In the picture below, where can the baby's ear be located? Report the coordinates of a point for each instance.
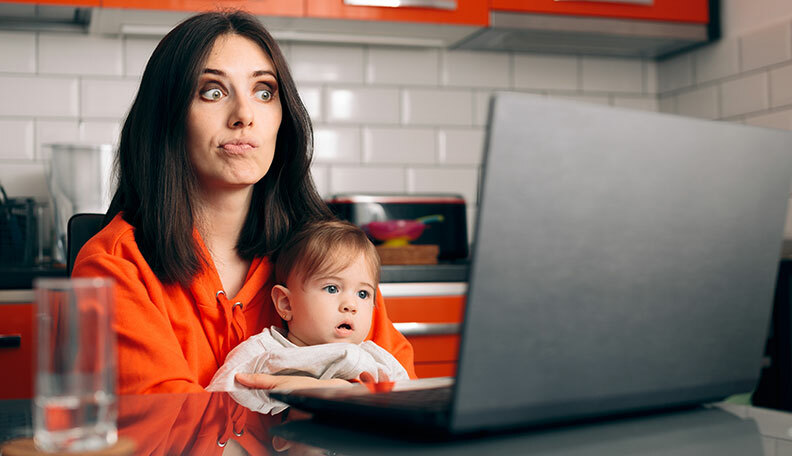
(280, 298)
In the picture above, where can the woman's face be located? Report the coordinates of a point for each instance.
(234, 117)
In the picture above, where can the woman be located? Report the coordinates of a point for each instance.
(213, 173)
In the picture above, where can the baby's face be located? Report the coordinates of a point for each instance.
(331, 308)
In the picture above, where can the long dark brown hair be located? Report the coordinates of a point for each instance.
(157, 184)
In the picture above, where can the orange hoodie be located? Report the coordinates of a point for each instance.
(173, 339)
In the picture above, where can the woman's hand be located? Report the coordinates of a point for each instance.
(286, 382)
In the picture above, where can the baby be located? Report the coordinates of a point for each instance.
(326, 279)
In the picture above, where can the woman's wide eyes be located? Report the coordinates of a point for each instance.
(212, 94)
(264, 95)
(332, 289)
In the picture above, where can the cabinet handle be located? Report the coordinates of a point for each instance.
(10, 340)
(434, 4)
(427, 329)
(636, 2)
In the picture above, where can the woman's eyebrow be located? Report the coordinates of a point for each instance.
(255, 74)
(262, 73)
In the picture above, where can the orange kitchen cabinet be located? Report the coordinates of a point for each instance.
(694, 11)
(435, 355)
(467, 12)
(16, 351)
(295, 8)
(59, 2)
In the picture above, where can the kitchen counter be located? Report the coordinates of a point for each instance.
(20, 278)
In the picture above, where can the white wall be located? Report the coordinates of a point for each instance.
(740, 16)
(387, 119)
(745, 77)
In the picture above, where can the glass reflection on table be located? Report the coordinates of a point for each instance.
(215, 423)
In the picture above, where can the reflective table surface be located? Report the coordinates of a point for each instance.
(214, 423)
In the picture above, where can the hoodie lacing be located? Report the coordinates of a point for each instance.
(235, 319)
(235, 424)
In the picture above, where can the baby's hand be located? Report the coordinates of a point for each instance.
(384, 384)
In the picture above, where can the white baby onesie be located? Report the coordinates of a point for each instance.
(270, 352)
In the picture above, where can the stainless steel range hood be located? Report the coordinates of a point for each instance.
(545, 33)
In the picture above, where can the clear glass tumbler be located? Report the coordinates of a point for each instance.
(75, 402)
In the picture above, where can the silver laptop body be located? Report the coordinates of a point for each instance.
(623, 261)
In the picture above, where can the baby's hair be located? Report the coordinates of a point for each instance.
(324, 247)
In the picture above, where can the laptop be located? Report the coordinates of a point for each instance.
(624, 262)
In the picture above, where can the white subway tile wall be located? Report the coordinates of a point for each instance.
(476, 69)
(437, 107)
(79, 54)
(17, 52)
(18, 138)
(362, 105)
(767, 46)
(460, 146)
(745, 95)
(699, 102)
(780, 87)
(312, 99)
(399, 146)
(325, 63)
(387, 119)
(403, 66)
(54, 131)
(612, 75)
(136, 54)
(334, 144)
(546, 72)
(748, 75)
(717, 61)
(367, 179)
(39, 96)
(106, 98)
(675, 72)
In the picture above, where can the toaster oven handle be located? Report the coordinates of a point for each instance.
(433, 4)
(427, 329)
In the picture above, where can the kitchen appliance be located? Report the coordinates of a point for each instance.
(18, 230)
(79, 180)
(412, 228)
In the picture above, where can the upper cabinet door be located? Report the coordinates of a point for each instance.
(262, 7)
(464, 12)
(58, 2)
(696, 11)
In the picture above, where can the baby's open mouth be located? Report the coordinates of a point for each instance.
(346, 326)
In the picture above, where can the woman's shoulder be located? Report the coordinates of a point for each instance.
(115, 243)
(116, 235)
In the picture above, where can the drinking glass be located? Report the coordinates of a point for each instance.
(75, 403)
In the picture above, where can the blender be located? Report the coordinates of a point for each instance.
(79, 177)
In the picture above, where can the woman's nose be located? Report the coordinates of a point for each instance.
(241, 114)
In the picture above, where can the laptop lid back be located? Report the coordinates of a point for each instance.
(623, 261)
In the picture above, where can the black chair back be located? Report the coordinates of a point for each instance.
(81, 227)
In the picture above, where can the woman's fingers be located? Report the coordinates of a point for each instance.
(262, 381)
(285, 382)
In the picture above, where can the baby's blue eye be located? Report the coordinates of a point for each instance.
(332, 289)
(264, 95)
(212, 94)
(363, 294)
